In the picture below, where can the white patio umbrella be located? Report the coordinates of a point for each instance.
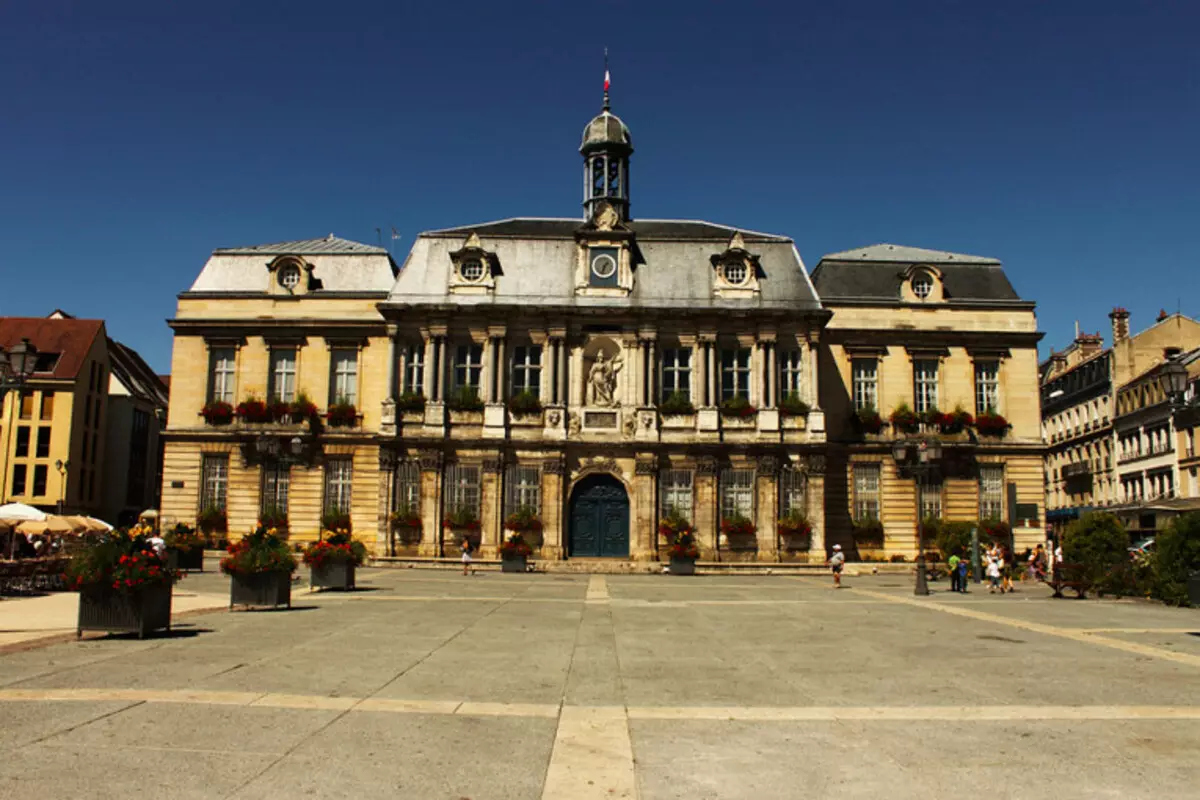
(19, 512)
(51, 524)
(98, 525)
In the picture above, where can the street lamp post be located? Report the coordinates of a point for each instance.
(928, 452)
(16, 367)
(62, 467)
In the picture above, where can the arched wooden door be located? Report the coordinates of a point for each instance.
(599, 519)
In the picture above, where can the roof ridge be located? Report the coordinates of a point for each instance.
(914, 253)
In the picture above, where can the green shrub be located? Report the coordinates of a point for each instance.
(676, 404)
(954, 539)
(1176, 556)
(1099, 543)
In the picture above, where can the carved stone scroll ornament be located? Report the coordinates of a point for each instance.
(387, 459)
(554, 466)
(600, 466)
(431, 460)
(767, 465)
(646, 466)
(816, 464)
(706, 466)
(492, 465)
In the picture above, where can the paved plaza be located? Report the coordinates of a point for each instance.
(426, 684)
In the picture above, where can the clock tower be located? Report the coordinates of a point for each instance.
(606, 148)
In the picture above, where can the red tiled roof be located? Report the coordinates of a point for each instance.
(70, 338)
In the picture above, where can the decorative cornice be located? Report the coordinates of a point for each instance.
(431, 460)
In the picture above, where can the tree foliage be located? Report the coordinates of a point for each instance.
(1176, 556)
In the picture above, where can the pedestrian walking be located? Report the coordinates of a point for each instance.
(962, 576)
(466, 554)
(993, 573)
(836, 562)
(952, 563)
(1039, 563)
(1006, 571)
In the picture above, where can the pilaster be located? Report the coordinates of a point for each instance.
(815, 506)
(644, 546)
(553, 503)
(767, 506)
(706, 523)
(491, 507)
(431, 503)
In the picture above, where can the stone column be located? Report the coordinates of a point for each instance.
(643, 544)
(384, 538)
(553, 505)
(814, 503)
(431, 503)
(639, 372)
(576, 394)
(393, 332)
(714, 381)
(501, 368)
(813, 372)
(491, 507)
(427, 379)
(706, 523)
(651, 372)
(700, 374)
(767, 507)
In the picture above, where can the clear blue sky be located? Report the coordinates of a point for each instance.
(1062, 138)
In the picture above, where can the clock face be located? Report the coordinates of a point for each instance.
(604, 266)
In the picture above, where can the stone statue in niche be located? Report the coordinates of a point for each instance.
(602, 380)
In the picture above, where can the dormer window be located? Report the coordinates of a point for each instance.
(289, 276)
(735, 272)
(472, 270)
(922, 285)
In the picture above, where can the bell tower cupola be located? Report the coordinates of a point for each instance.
(606, 148)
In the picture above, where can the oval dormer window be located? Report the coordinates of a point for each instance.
(289, 276)
(922, 285)
(472, 270)
(735, 273)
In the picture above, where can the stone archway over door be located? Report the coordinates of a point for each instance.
(599, 519)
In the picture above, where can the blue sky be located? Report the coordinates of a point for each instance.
(1059, 137)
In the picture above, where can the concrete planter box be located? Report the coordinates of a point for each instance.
(466, 417)
(513, 563)
(188, 560)
(683, 566)
(791, 422)
(678, 422)
(332, 575)
(270, 589)
(140, 612)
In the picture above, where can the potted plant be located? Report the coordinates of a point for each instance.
(342, 414)
(526, 522)
(465, 399)
(253, 410)
(868, 420)
(525, 404)
(797, 530)
(217, 412)
(989, 423)
(677, 404)
(462, 523)
(406, 523)
(260, 568)
(336, 520)
(995, 529)
(956, 421)
(123, 585)
(514, 553)
(933, 419)
(212, 520)
(303, 408)
(280, 411)
(274, 518)
(185, 548)
(683, 551)
(792, 406)
(868, 532)
(904, 419)
(411, 403)
(672, 525)
(736, 525)
(332, 560)
(738, 407)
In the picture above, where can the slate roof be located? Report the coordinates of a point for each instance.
(538, 260)
(875, 273)
(70, 338)
(135, 374)
(329, 245)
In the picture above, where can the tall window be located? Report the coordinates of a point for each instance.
(214, 481)
(343, 379)
(414, 369)
(931, 498)
(675, 493)
(735, 373)
(221, 374)
(865, 377)
(47, 406)
(737, 494)
(468, 366)
(43, 442)
(18, 479)
(991, 491)
(339, 474)
(987, 386)
(462, 490)
(522, 489)
(27, 405)
(407, 496)
(22, 450)
(791, 368)
(527, 369)
(283, 375)
(793, 492)
(925, 384)
(866, 491)
(676, 372)
(40, 472)
(276, 479)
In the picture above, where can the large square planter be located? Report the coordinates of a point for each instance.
(261, 589)
(140, 612)
(187, 560)
(332, 575)
(683, 566)
(513, 563)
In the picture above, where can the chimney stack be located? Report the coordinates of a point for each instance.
(1120, 324)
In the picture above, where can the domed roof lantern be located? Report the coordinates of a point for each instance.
(606, 148)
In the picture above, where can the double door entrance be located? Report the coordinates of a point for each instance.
(599, 519)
